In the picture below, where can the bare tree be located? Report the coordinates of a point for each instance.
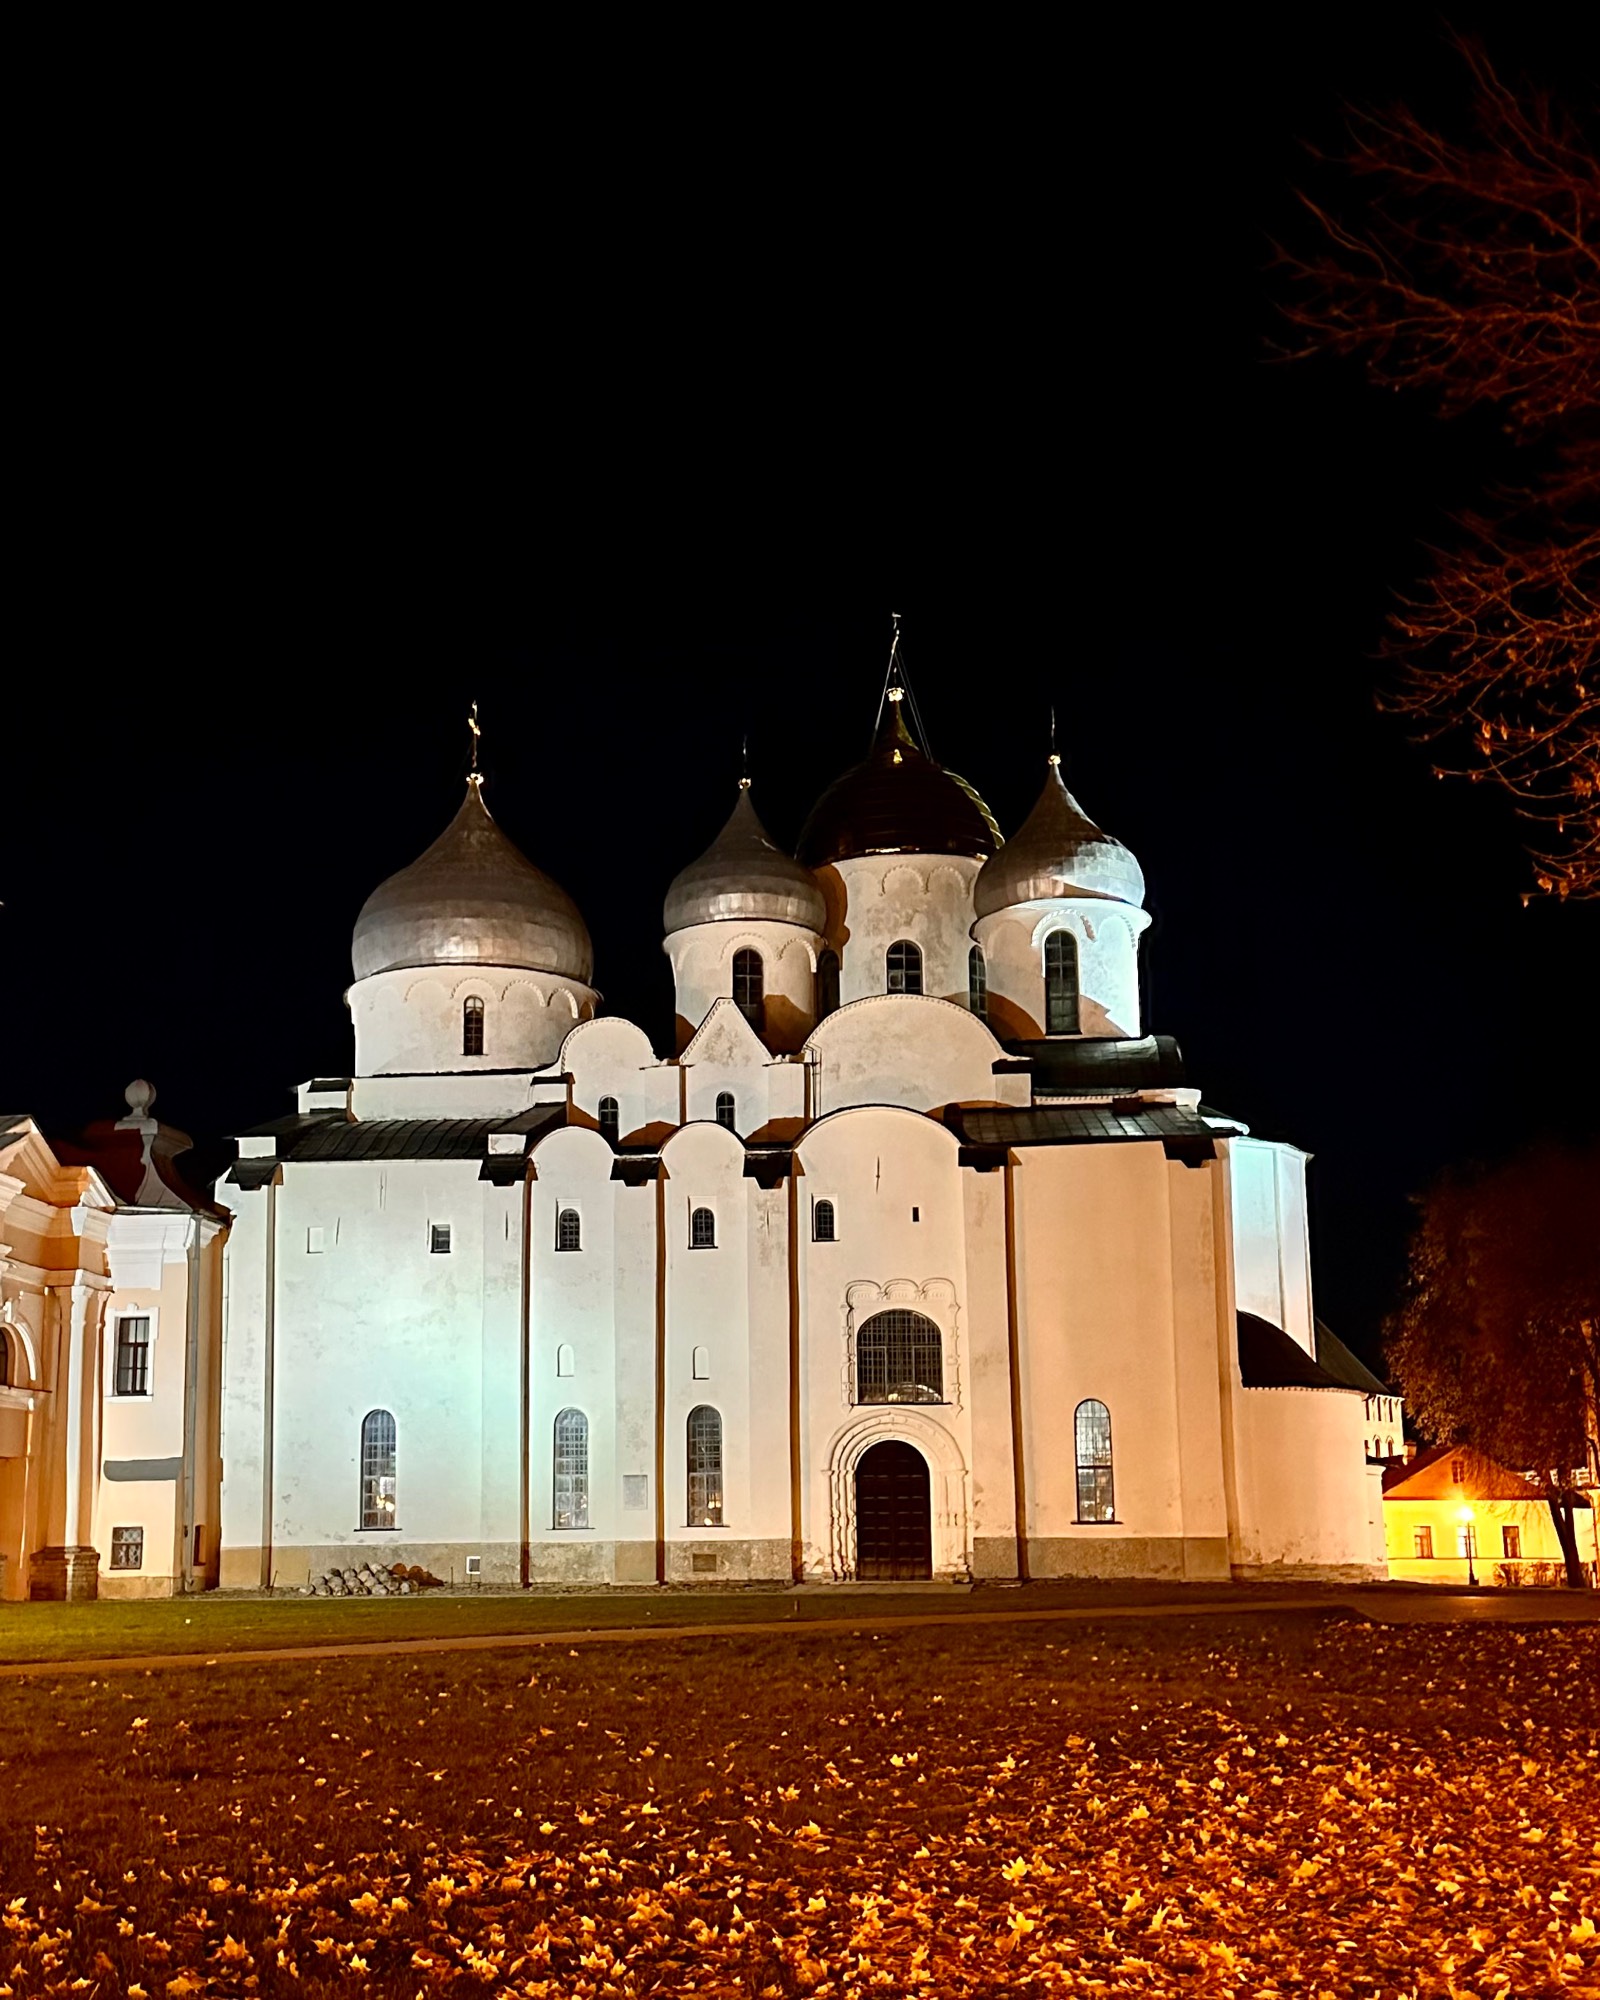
(1472, 270)
(1497, 1342)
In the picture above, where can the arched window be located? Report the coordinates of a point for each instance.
(566, 1359)
(827, 984)
(749, 988)
(1061, 983)
(1091, 1428)
(822, 1222)
(899, 1359)
(727, 1110)
(377, 1469)
(569, 1230)
(610, 1119)
(978, 983)
(904, 966)
(571, 1508)
(472, 1028)
(1389, 1452)
(705, 1468)
(702, 1230)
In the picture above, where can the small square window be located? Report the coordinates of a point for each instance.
(127, 1548)
(439, 1239)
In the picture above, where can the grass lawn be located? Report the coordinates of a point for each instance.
(1303, 1805)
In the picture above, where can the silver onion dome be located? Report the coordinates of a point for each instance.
(472, 899)
(744, 874)
(1057, 851)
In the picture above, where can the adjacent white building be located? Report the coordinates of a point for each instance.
(917, 1255)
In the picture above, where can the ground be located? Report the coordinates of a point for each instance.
(1301, 1803)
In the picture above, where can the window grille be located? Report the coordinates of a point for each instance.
(727, 1109)
(1092, 1432)
(472, 1028)
(822, 1223)
(749, 988)
(572, 1470)
(1422, 1542)
(377, 1470)
(1061, 983)
(899, 1359)
(133, 1355)
(610, 1119)
(904, 966)
(702, 1230)
(827, 984)
(978, 983)
(439, 1239)
(127, 1548)
(1511, 1543)
(569, 1230)
(705, 1468)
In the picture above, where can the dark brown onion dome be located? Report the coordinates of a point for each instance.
(1057, 851)
(897, 802)
(472, 899)
(744, 874)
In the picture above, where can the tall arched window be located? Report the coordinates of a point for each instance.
(978, 983)
(571, 1508)
(377, 1470)
(472, 1028)
(827, 984)
(899, 1359)
(569, 1230)
(1091, 1429)
(1061, 983)
(904, 966)
(822, 1222)
(705, 1468)
(610, 1119)
(727, 1109)
(749, 988)
(702, 1230)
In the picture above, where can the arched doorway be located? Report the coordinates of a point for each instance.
(894, 1523)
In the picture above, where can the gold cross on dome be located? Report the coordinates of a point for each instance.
(472, 725)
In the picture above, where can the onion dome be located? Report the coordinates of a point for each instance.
(472, 899)
(898, 802)
(1057, 851)
(744, 874)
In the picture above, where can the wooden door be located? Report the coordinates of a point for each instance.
(894, 1524)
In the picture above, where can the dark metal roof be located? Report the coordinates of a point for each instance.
(1060, 1067)
(252, 1174)
(332, 1136)
(1076, 1124)
(898, 802)
(1270, 1359)
(1346, 1367)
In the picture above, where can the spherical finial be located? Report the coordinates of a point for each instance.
(1055, 761)
(897, 694)
(140, 1096)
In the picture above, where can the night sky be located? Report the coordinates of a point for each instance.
(633, 415)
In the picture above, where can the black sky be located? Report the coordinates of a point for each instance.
(629, 394)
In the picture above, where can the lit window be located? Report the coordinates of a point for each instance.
(610, 1119)
(727, 1109)
(903, 964)
(978, 983)
(127, 1548)
(702, 1230)
(377, 1469)
(569, 1230)
(705, 1468)
(1467, 1541)
(1511, 1543)
(1091, 1428)
(472, 1028)
(1061, 984)
(572, 1470)
(827, 984)
(133, 1355)
(1422, 1542)
(822, 1222)
(439, 1239)
(899, 1359)
(749, 988)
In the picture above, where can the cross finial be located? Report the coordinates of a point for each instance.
(472, 725)
(1055, 761)
(744, 762)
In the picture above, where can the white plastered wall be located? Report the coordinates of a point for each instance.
(1271, 1236)
(908, 1050)
(702, 970)
(1106, 934)
(610, 1057)
(410, 1020)
(876, 899)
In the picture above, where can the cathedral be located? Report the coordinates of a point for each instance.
(917, 1256)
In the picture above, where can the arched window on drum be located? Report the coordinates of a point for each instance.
(1061, 984)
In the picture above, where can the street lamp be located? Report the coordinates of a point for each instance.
(1468, 1537)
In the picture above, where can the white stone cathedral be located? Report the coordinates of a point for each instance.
(916, 1257)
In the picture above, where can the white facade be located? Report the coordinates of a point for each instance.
(838, 1289)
